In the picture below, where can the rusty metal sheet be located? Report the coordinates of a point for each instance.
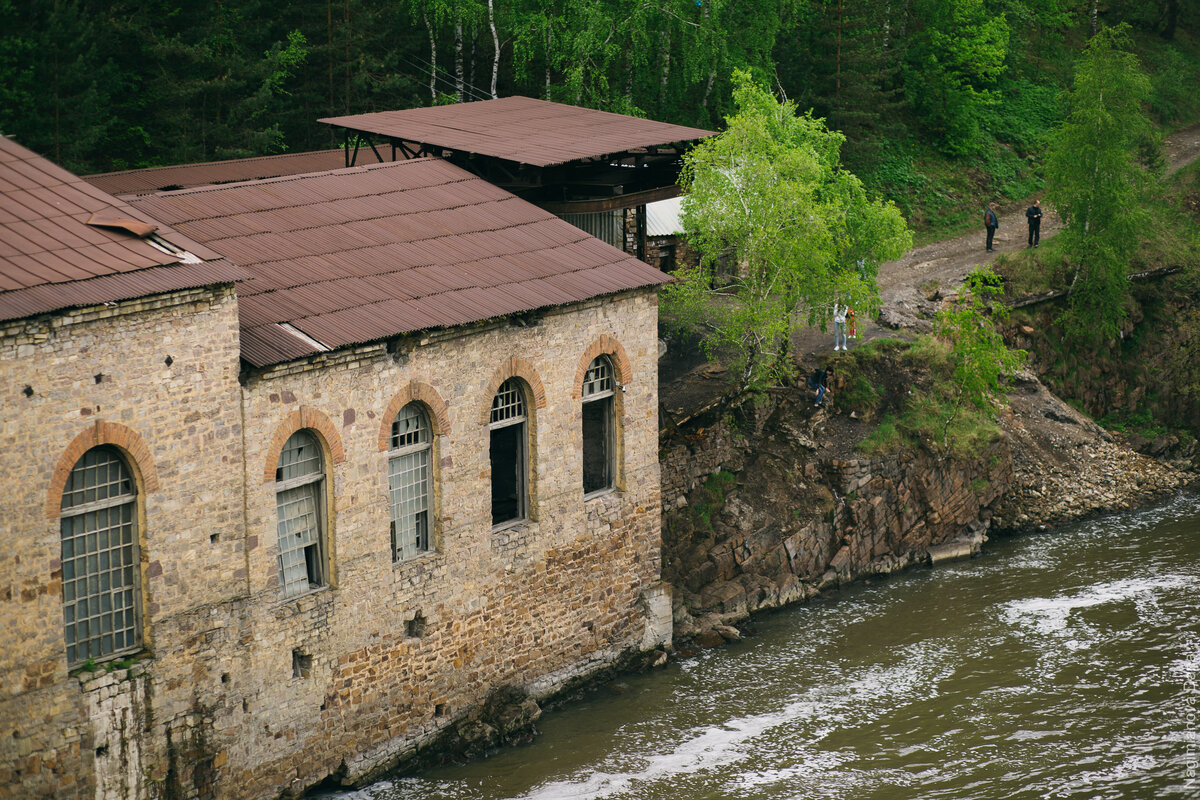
(50, 258)
(183, 176)
(522, 129)
(356, 255)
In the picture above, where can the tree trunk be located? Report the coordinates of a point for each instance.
(1093, 18)
(432, 60)
(666, 73)
(1170, 20)
(495, 46)
(458, 61)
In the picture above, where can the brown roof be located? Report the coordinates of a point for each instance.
(51, 258)
(184, 176)
(521, 129)
(360, 254)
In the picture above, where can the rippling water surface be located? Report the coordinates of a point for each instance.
(1062, 665)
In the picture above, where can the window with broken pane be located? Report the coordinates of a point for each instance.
(598, 391)
(299, 487)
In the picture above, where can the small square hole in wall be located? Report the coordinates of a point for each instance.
(439, 710)
(301, 664)
(168, 361)
(415, 627)
(224, 677)
(100, 377)
(213, 538)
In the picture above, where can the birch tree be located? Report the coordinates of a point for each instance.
(1096, 182)
(769, 199)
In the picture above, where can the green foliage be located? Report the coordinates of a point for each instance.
(954, 60)
(769, 198)
(1097, 183)
(932, 414)
(712, 498)
(979, 354)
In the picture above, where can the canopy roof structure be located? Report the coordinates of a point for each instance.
(564, 158)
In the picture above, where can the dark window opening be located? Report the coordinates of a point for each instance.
(597, 445)
(508, 463)
(598, 428)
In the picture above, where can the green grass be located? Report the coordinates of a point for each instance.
(932, 415)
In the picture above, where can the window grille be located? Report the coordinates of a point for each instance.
(507, 454)
(598, 385)
(508, 406)
(408, 482)
(100, 559)
(598, 381)
(299, 481)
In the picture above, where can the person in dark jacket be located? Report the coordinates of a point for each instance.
(1034, 215)
(816, 382)
(991, 222)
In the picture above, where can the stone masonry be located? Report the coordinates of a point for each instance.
(240, 692)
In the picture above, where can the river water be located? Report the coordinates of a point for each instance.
(1062, 665)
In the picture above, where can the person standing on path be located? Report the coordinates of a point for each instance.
(991, 222)
(839, 327)
(1034, 215)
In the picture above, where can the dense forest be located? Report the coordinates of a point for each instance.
(118, 84)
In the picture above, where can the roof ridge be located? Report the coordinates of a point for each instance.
(212, 187)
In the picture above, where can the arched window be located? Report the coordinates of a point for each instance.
(408, 482)
(102, 580)
(299, 489)
(509, 454)
(598, 436)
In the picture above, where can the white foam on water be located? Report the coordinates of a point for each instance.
(810, 717)
(1051, 615)
(1129, 766)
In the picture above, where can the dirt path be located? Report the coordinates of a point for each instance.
(909, 288)
(910, 285)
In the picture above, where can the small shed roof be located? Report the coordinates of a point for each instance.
(64, 243)
(364, 253)
(186, 176)
(521, 129)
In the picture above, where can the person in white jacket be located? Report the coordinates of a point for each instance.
(839, 327)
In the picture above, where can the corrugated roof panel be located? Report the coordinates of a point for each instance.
(358, 255)
(521, 129)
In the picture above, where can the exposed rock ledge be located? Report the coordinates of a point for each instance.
(1065, 467)
(798, 515)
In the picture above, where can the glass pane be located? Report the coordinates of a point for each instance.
(509, 403)
(301, 456)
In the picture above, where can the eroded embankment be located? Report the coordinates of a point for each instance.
(765, 503)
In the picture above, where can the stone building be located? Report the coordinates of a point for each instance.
(299, 470)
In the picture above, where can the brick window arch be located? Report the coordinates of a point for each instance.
(101, 563)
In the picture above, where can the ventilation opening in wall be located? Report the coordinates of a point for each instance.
(415, 627)
(101, 751)
(224, 677)
(439, 710)
(213, 538)
(301, 664)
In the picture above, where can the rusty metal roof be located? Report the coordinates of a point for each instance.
(361, 254)
(51, 258)
(185, 176)
(521, 129)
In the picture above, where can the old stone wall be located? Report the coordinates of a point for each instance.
(241, 692)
